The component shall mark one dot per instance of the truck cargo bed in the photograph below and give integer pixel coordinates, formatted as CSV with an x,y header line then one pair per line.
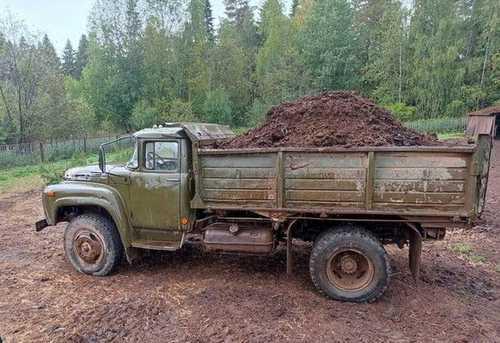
x,y
409,181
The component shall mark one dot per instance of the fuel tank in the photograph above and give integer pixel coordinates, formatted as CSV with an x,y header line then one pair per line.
x,y
238,238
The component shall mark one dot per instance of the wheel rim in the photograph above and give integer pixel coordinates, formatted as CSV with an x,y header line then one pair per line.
x,y
350,270
89,247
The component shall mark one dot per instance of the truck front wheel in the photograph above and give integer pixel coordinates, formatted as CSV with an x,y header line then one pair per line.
x,y
349,265
92,244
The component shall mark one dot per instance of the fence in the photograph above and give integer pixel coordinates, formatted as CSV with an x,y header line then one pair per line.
x,y
439,125
12,155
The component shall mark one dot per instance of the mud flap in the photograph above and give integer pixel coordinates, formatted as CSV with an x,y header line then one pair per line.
x,y
289,246
415,251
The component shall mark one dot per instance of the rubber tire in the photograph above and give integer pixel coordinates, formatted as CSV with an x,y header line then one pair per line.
x,y
106,230
329,242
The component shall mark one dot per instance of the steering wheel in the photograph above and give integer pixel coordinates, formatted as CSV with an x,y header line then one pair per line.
x,y
161,162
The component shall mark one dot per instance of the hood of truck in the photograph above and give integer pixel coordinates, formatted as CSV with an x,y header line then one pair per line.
x,y
88,173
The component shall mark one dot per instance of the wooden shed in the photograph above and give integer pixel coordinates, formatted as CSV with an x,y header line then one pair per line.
x,y
485,121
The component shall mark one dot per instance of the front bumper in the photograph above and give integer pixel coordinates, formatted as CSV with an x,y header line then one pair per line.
x,y
40,225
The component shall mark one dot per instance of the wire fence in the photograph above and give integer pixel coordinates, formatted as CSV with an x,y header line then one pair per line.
x,y
14,155
439,125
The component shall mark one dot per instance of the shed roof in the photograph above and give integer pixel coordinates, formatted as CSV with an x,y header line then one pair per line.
x,y
488,111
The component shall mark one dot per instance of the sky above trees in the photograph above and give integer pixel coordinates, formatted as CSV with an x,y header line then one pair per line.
x,y
67,19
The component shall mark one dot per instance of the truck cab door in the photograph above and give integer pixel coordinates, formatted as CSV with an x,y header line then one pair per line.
x,y
155,192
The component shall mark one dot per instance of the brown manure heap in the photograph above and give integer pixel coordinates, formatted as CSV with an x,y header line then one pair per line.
x,y
325,120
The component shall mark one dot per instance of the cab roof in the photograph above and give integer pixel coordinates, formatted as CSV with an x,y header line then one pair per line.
x,y
197,132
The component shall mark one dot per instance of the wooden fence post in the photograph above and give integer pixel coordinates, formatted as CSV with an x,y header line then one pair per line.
x,y
85,144
42,155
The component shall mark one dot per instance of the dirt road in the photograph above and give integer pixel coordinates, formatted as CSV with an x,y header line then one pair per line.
x,y
190,296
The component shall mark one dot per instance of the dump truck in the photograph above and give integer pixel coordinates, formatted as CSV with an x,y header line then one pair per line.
x,y
345,203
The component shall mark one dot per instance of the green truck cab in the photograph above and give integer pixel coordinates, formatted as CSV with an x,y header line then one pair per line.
x,y
176,189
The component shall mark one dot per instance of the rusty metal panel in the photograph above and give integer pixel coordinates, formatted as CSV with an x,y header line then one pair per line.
x,y
419,186
326,184
420,160
412,180
419,197
324,196
420,173
325,180
326,173
407,182
242,180
239,173
218,183
238,194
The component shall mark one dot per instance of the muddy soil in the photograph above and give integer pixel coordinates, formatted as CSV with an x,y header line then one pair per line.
x,y
191,296
328,119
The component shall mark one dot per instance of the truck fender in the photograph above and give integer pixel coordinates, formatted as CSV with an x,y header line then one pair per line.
x,y
78,195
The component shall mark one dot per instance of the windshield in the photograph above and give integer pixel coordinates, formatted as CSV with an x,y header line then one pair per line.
x,y
122,152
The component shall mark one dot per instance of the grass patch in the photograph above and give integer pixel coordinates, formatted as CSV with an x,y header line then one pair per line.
x,y
33,176
451,135
466,251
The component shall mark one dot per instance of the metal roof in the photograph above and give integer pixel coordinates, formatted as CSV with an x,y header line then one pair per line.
x,y
488,111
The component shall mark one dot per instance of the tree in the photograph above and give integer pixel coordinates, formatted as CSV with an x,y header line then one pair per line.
x,y
275,65
82,56
48,50
209,22
329,45
437,71
68,60
383,48
217,107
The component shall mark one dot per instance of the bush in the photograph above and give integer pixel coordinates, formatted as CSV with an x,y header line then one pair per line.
x,y
402,111
217,107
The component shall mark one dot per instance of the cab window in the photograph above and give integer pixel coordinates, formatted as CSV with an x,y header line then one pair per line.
x,y
162,156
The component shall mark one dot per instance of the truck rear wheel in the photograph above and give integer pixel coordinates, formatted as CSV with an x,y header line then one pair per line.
x,y
349,265
92,244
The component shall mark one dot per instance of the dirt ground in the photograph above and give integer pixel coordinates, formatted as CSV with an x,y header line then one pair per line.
x,y
191,296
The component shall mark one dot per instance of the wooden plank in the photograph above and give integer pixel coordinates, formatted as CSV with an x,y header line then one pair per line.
x,y
419,198
237,194
370,180
216,183
317,160
330,205
220,203
421,173
326,173
419,186
326,184
242,161
333,196
421,160
410,208
239,173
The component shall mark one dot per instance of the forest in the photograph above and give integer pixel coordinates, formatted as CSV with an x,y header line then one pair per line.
x,y
144,62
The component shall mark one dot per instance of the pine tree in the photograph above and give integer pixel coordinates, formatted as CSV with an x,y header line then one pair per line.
x,y
68,60
209,22
82,56
48,52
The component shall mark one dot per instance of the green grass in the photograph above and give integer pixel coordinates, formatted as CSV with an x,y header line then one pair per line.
x,y
439,125
33,176
466,251
451,135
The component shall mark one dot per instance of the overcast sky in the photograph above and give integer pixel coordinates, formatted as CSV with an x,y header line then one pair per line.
x,y
63,19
